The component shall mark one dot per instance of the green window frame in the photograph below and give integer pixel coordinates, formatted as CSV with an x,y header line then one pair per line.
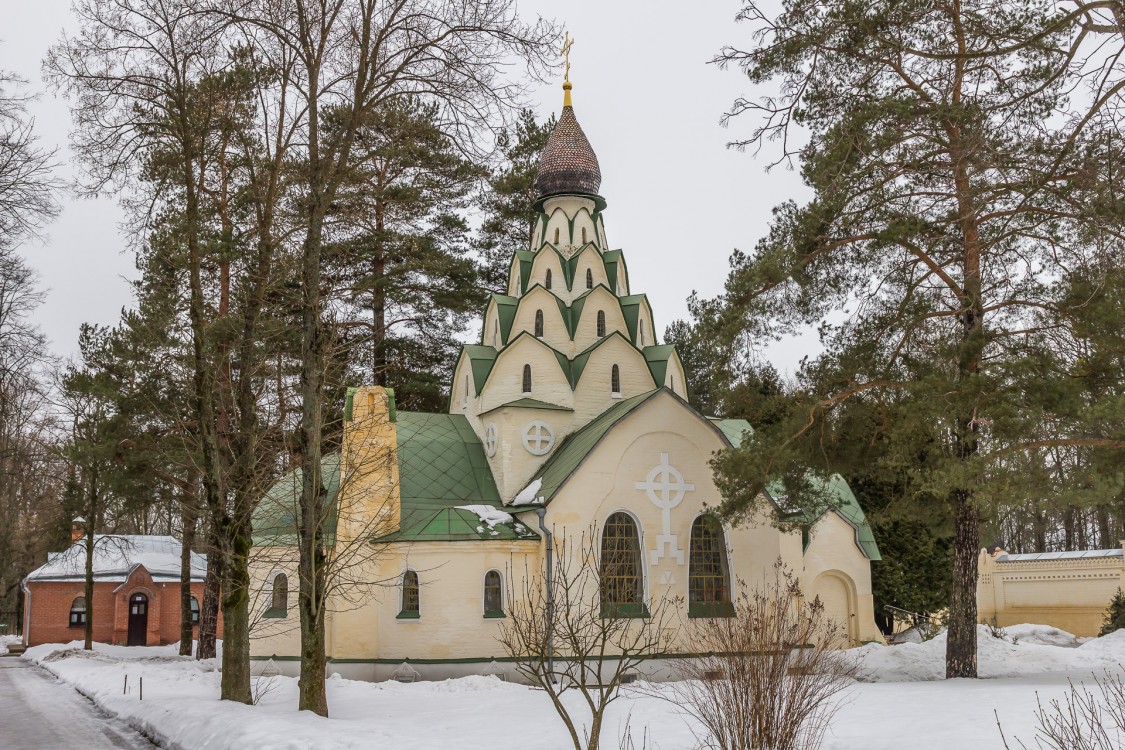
x,y
621,575
708,574
493,595
411,597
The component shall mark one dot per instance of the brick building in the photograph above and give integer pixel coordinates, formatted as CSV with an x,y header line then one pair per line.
x,y
136,591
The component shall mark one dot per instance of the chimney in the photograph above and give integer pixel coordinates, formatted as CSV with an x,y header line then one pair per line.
x,y
77,529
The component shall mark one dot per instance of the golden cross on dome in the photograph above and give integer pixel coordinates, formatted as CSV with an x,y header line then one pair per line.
x,y
567,44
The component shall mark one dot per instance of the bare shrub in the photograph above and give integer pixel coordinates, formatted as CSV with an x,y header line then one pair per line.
x,y
601,637
1084,719
770,675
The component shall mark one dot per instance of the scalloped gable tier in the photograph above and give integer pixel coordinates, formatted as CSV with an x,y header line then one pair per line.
x,y
569,220
574,324
529,268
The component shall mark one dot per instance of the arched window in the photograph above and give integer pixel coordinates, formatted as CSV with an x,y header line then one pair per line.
x,y
601,323
589,279
583,235
556,235
194,605
410,598
615,380
78,612
493,594
708,584
527,378
279,598
621,568
548,280
641,331
538,322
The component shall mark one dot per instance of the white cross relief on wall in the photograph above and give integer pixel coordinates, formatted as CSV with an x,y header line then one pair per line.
x,y
666,488
538,438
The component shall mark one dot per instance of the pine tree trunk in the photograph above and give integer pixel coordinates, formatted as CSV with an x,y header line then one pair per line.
x,y
961,638
379,298
236,615
961,645
88,630
209,608
312,562
187,520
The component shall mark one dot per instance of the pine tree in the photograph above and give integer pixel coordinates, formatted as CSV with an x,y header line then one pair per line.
x,y
508,202
1114,615
953,184
404,263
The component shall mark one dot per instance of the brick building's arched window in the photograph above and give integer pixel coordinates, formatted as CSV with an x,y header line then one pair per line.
x,y
78,612
548,281
601,323
708,583
410,596
615,380
589,279
194,611
621,581
539,323
493,594
527,378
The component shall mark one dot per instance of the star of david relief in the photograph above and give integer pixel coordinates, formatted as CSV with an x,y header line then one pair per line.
x,y
538,438
665,487
490,440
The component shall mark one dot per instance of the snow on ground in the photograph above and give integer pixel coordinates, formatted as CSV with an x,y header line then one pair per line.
x,y
5,640
902,698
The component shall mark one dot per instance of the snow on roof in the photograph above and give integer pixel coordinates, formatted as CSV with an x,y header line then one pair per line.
x,y
1089,553
115,555
488,514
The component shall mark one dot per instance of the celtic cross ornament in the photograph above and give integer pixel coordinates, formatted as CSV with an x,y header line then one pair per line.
x,y
665,487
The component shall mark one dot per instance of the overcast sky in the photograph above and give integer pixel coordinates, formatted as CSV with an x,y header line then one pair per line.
x,y
679,201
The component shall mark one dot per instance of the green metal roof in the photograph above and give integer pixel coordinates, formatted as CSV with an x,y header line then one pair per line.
x,y
506,312
481,360
441,465
574,449
274,522
836,487
610,259
631,309
657,359
529,403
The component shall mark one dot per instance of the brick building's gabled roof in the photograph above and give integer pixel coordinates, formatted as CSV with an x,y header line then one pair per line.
x,y
116,556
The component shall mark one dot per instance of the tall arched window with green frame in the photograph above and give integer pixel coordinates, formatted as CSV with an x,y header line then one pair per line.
x,y
708,577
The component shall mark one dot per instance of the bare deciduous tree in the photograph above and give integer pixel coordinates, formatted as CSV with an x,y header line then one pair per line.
x,y
567,633
770,676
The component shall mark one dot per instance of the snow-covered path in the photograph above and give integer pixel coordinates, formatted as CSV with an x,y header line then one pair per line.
x,y
38,711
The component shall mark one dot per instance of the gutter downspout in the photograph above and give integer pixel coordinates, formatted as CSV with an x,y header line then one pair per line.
x,y
542,514
26,611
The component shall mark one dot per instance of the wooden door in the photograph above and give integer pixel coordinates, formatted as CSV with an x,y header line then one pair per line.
x,y
138,620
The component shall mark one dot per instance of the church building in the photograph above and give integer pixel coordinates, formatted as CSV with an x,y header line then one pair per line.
x,y
568,417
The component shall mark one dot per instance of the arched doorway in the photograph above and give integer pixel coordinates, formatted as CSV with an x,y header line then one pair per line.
x,y
835,593
138,620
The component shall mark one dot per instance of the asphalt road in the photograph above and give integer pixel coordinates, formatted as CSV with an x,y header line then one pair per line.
x,y
37,712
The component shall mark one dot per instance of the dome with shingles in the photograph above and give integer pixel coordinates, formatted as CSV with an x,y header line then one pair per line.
x,y
568,163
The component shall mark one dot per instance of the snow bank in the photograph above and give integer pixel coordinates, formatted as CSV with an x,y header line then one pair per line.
x,y
906,698
5,640
1019,650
